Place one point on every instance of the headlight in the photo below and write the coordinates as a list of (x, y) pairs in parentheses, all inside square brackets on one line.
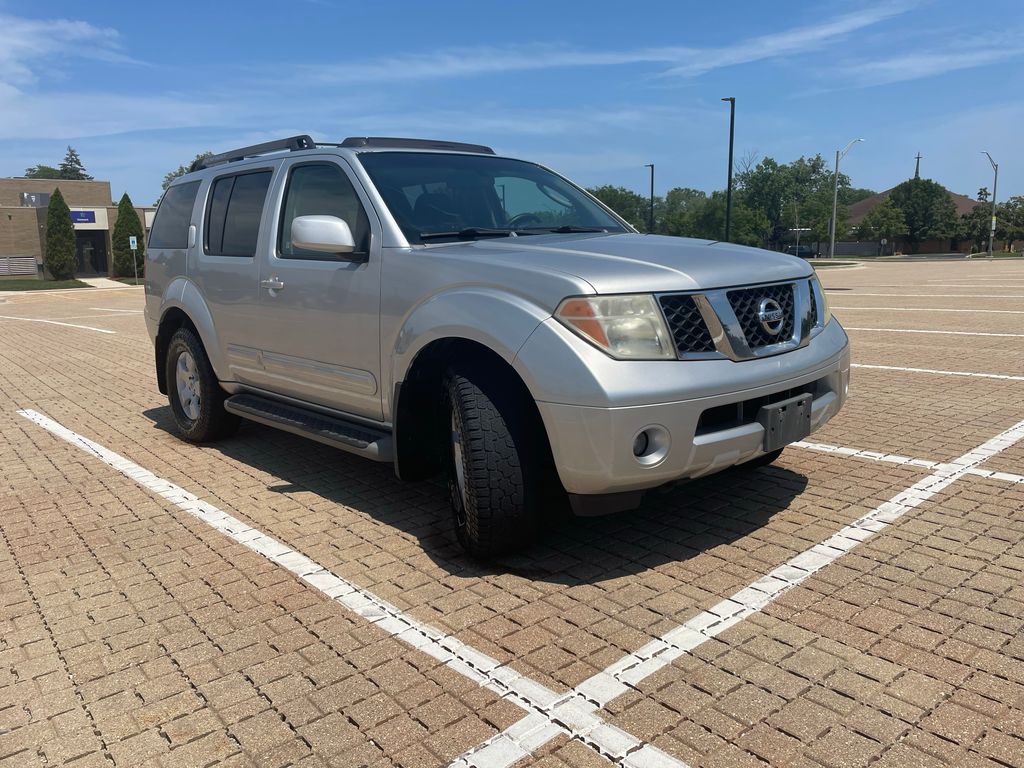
[(626, 327), (819, 292)]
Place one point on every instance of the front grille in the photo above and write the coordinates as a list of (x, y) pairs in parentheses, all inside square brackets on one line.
[(746, 303), (686, 324), (814, 308)]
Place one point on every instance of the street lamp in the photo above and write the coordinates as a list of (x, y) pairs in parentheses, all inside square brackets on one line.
[(840, 154), (728, 188), (995, 183), (650, 218)]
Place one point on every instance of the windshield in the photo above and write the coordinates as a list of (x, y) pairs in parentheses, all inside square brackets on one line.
[(435, 196)]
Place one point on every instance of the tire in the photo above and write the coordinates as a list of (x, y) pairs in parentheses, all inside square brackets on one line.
[(197, 403), (498, 464)]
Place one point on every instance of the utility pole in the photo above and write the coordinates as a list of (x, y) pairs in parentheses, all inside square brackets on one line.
[(650, 217), (840, 154), (995, 183), (917, 166), (728, 187)]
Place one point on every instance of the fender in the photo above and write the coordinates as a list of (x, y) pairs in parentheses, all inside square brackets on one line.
[(498, 320), (182, 294)]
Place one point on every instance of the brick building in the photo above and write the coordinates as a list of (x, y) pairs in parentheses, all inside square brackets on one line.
[(23, 205)]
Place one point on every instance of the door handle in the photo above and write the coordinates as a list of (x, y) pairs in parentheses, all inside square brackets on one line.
[(273, 283)]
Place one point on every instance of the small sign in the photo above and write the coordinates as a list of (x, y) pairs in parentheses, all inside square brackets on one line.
[(133, 242), (83, 217)]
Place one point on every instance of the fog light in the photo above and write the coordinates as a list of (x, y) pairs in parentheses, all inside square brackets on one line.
[(650, 445)]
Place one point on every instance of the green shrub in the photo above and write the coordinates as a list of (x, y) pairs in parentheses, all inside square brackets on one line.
[(59, 256), (127, 224)]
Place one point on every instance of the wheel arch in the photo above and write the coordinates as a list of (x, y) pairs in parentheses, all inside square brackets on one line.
[(187, 311), (419, 422)]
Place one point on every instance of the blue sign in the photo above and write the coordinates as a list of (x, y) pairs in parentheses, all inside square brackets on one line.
[(83, 217)]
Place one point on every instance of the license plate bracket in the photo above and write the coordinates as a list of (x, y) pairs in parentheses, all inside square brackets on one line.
[(785, 422)]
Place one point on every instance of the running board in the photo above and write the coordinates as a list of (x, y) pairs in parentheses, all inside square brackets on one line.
[(355, 438)]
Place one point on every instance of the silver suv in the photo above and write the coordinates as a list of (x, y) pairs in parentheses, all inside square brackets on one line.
[(436, 306)]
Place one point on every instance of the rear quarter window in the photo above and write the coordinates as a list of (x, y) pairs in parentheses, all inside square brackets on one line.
[(173, 217)]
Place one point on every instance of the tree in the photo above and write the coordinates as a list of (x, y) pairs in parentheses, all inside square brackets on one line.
[(927, 208), (127, 224), (975, 225), (779, 191), (59, 256), (181, 170), (1010, 222), (71, 167), (884, 221), (629, 205), (42, 172)]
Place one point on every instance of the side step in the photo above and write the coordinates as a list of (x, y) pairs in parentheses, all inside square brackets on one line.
[(355, 438)]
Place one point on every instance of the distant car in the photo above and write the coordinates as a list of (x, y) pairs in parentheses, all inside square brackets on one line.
[(436, 306), (803, 251)]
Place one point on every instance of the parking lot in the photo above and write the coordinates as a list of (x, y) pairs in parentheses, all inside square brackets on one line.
[(271, 601)]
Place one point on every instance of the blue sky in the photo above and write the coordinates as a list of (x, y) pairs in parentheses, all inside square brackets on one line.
[(593, 89)]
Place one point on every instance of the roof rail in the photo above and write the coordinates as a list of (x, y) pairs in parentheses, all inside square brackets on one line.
[(293, 144), (353, 142)]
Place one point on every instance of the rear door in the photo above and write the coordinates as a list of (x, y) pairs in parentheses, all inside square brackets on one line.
[(320, 312), (227, 272)]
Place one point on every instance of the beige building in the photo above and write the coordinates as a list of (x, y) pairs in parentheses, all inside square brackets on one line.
[(23, 205)]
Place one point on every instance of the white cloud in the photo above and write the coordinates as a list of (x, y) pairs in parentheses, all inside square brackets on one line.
[(917, 65), (28, 45)]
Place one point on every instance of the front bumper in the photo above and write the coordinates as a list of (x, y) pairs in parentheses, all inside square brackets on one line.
[(593, 445)]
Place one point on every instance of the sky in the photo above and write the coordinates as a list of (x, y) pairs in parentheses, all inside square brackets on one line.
[(595, 89)]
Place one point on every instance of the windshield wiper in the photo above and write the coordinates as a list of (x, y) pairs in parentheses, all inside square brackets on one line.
[(469, 233), (567, 228)]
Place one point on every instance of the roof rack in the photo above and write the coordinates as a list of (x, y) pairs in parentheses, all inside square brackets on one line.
[(293, 144), (353, 142)]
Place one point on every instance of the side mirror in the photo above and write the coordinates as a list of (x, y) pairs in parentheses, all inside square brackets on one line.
[(326, 234)]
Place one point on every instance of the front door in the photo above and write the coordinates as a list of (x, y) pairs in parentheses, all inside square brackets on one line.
[(320, 312), (90, 252)]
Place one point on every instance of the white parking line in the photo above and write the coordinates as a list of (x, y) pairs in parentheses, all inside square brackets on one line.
[(1003, 376), (598, 691), (946, 333), (941, 309), (936, 295), (542, 703), (111, 309), (54, 322), (859, 453)]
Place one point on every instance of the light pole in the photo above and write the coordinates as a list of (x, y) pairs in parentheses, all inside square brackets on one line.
[(840, 154), (995, 183), (728, 187), (650, 217)]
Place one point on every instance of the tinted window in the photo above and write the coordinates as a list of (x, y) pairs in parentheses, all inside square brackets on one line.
[(233, 216), (321, 189), (173, 216), (430, 194)]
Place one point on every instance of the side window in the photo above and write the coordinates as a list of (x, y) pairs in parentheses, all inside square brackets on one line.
[(173, 216), (320, 189), (233, 214)]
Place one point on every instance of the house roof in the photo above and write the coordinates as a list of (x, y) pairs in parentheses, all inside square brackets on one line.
[(861, 208)]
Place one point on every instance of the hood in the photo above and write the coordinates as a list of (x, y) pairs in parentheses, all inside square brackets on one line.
[(632, 263)]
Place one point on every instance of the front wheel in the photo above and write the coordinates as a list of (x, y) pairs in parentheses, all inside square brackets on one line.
[(196, 398), (497, 464)]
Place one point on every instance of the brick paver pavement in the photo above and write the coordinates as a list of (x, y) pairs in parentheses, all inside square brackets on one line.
[(133, 634)]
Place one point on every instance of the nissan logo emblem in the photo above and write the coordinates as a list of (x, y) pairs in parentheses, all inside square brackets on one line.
[(772, 318)]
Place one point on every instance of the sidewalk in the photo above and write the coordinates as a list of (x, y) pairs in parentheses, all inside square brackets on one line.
[(104, 282)]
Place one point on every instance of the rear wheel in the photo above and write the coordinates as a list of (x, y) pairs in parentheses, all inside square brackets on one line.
[(498, 465), (196, 398)]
